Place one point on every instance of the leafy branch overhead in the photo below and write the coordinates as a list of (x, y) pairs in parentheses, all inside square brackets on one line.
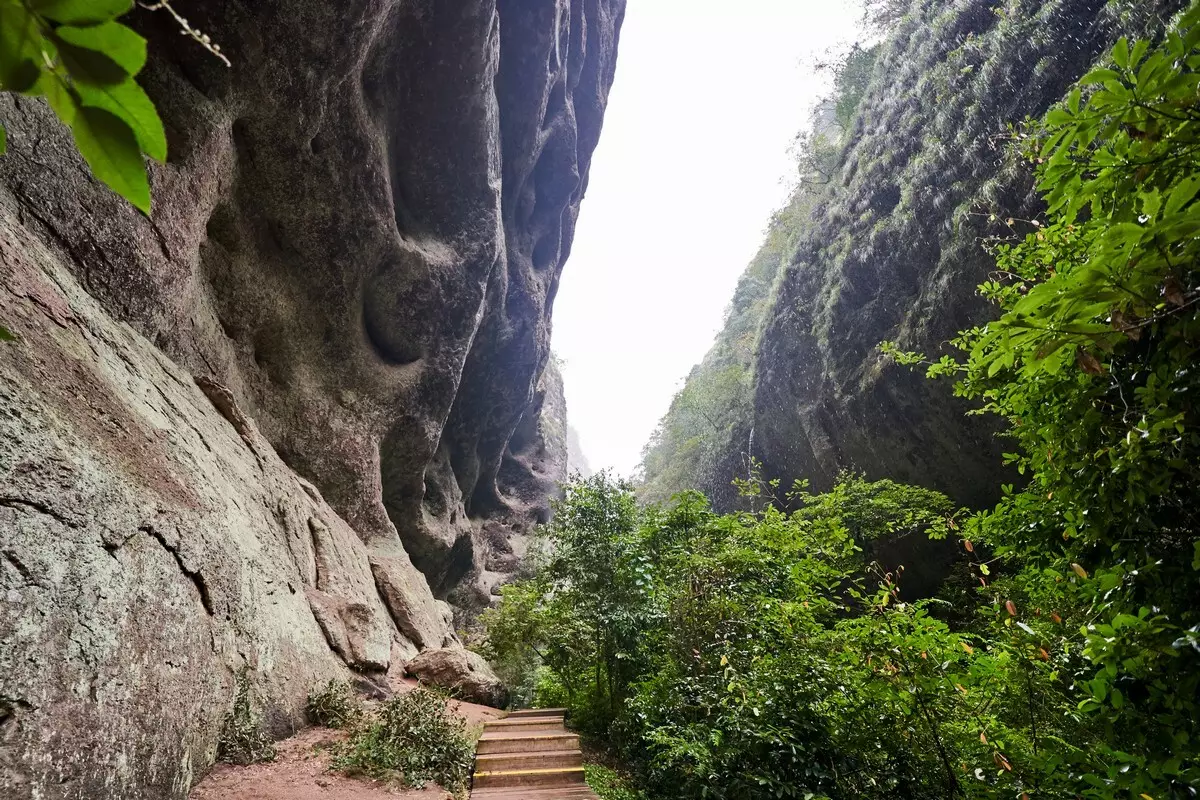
[(76, 55)]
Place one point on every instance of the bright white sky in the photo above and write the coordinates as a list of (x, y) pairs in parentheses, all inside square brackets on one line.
[(692, 161)]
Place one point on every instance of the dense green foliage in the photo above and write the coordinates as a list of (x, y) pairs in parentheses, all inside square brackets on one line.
[(764, 654), (413, 739), (1093, 363), (767, 654)]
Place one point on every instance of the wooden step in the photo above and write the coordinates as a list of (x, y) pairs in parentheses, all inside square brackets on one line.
[(561, 793), (535, 742), (532, 778), (536, 712), (544, 759), (524, 724), (528, 755)]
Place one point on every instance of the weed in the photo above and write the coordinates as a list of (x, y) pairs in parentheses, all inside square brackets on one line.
[(334, 706), (609, 784), (243, 740)]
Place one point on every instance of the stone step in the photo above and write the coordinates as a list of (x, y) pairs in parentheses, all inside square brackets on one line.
[(528, 742), (531, 778), (545, 759), (536, 712)]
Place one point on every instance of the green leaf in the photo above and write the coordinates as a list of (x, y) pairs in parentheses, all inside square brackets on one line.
[(60, 97), (114, 40), (1139, 51), (3, 140), (129, 102), (1098, 75), (6, 335), (89, 67), (1120, 53), (110, 148), (21, 78), (82, 12), (20, 49), (1182, 194)]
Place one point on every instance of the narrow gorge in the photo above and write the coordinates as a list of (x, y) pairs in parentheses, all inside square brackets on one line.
[(906, 174), (298, 501)]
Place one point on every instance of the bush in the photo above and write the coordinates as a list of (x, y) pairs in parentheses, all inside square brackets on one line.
[(243, 740), (608, 784), (334, 706), (413, 738), (1093, 365)]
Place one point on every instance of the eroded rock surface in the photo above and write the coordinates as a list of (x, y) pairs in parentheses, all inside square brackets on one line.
[(463, 673), (278, 423)]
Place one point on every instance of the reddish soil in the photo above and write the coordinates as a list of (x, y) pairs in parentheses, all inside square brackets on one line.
[(300, 770)]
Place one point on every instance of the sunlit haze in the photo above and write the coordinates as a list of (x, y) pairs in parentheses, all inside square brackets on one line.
[(692, 161)]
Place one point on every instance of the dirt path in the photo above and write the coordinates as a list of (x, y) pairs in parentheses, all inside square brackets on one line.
[(300, 769)]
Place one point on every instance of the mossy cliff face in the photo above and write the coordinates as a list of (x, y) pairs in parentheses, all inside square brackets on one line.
[(275, 424), (893, 249)]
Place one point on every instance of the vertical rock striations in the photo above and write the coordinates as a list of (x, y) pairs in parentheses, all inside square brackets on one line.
[(894, 248), (274, 425)]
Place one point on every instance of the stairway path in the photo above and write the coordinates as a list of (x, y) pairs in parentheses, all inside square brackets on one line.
[(529, 755)]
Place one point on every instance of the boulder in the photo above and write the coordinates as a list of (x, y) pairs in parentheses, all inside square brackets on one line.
[(465, 674)]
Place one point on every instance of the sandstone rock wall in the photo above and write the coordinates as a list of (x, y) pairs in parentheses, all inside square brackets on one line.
[(232, 429)]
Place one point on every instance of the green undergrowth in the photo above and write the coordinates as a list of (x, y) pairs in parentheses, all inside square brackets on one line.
[(243, 739), (608, 784), (784, 652), (412, 739)]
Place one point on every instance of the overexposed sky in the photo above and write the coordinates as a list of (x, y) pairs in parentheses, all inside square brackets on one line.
[(692, 161)]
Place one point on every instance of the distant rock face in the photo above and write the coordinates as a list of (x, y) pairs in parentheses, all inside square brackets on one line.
[(577, 460), (894, 249), (278, 423)]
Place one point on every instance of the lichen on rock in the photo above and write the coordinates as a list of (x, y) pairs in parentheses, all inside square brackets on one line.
[(275, 425)]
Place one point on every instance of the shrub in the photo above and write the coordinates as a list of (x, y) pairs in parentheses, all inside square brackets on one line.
[(243, 740), (608, 784), (1093, 365), (334, 706), (413, 738)]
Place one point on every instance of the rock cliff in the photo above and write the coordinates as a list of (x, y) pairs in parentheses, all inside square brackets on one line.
[(274, 426), (884, 240), (894, 249)]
